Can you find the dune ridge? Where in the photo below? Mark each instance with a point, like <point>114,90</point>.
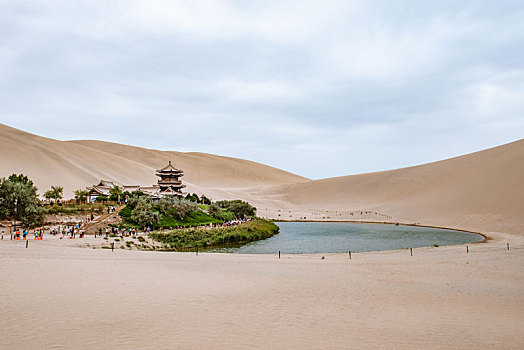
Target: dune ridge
<point>481,191</point>
<point>77,164</point>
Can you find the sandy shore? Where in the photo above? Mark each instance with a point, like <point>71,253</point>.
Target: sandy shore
<point>56,295</point>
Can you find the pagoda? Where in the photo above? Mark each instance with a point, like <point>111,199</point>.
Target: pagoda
<point>169,182</point>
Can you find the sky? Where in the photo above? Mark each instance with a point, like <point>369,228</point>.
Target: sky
<point>319,88</point>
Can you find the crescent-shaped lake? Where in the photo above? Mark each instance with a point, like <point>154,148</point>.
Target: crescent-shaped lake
<point>338,237</point>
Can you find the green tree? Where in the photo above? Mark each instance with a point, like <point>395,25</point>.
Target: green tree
<point>239,208</point>
<point>182,207</point>
<point>19,201</point>
<point>81,195</point>
<point>115,193</point>
<point>143,213</point>
<point>138,193</point>
<point>215,210</point>
<point>192,197</point>
<point>166,203</point>
<point>102,199</point>
<point>56,193</point>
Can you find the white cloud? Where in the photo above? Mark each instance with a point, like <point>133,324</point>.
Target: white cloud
<point>303,85</point>
<point>263,91</point>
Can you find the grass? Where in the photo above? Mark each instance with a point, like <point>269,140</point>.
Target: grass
<point>141,239</point>
<point>183,240</point>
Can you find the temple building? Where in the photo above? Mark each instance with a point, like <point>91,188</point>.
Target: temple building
<point>169,184</point>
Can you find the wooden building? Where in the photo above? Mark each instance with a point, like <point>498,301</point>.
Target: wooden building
<point>169,184</point>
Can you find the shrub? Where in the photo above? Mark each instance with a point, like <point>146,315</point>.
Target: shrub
<point>215,210</point>
<point>143,213</point>
<point>165,204</point>
<point>239,208</point>
<point>186,239</point>
<point>182,207</point>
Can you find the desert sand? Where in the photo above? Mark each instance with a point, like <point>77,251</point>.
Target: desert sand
<point>54,295</point>
<point>57,294</point>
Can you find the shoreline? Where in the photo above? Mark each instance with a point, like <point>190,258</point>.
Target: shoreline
<point>485,236</point>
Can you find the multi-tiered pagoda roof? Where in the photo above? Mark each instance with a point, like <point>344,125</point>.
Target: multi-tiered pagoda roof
<point>169,182</point>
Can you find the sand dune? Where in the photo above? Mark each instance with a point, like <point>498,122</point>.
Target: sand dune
<point>78,164</point>
<point>482,191</point>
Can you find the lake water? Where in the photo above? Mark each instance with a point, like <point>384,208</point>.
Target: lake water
<point>338,237</point>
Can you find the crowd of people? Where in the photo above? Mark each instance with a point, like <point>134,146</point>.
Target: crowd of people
<point>78,230</point>
<point>38,234</point>
<point>208,226</point>
<point>113,231</point>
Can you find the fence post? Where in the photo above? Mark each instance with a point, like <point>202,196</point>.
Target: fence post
<point>26,243</point>
<point>112,246</point>
<point>349,252</point>
<point>467,249</point>
<point>507,245</point>
<point>279,254</point>
<point>196,250</point>
<point>410,251</point>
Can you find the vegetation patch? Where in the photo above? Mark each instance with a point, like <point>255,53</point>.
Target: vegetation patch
<point>173,212</point>
<point>19,201</point>
<point>183,240</point>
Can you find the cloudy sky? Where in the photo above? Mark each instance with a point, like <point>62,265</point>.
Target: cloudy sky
<point>319,88</point>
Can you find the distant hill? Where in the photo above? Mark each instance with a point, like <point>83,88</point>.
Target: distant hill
<point>77,164</point>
